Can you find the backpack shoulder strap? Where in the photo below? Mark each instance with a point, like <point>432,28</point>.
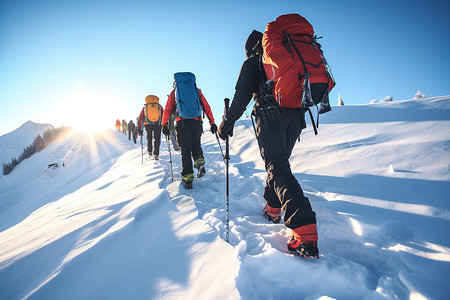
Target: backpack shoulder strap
<point>200,100</point>
<point>313,122</point>
<point>261,68</point>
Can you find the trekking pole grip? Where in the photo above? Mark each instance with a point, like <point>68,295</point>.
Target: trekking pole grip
<point>227,104</point>
<point>227,146</point>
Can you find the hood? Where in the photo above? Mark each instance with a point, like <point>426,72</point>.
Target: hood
<point>253,46</point>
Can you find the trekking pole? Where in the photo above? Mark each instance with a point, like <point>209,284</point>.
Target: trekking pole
<point>170,156</point>
<point>220,146</point>
<point>227,159</point>
<point>142,151</point>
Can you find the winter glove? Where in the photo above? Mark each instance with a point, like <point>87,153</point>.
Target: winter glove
<point>140,132</point>
<point>225,129</point>
<point>165,130</point>
<point>213,128</point>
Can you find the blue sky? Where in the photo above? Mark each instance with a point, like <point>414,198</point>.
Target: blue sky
<point>90,62</point>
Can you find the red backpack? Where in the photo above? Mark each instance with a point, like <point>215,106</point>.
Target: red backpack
<point>293,59</point>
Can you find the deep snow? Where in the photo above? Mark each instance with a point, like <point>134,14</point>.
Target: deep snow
<point>106,226</point>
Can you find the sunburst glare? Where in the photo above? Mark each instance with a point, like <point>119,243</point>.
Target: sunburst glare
<point>88,111</point>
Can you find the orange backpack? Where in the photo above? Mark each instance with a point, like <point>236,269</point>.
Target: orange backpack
<point>152,110</point>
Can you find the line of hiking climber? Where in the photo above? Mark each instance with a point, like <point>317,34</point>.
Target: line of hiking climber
<point>289,48</point>
<point>129,128</point>
<point>121,126</point>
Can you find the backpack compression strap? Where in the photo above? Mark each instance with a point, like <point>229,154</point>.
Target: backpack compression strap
<point>199,100</point>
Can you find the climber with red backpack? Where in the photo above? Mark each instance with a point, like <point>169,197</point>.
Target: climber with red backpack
<point>286,70</point>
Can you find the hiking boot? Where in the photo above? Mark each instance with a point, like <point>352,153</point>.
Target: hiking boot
<point>304,241</point>
<point>188,179</point>
<point>201,171</point>
<point>305,249</point>
<point>199,162</point>
<point>155,157</point>
<point>272,214</point>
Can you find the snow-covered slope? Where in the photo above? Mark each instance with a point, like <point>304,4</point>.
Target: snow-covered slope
<point>106,226</point>
<point>13,143</point>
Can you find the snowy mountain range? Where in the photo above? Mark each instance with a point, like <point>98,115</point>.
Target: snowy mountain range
<point>13,143</point>
<point>107,223</point>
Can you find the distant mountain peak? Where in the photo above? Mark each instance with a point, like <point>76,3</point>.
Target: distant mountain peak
<point>31,126</point>
<point>13,143</point>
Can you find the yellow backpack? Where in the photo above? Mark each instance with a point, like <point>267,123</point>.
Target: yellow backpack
<point>152,110</point>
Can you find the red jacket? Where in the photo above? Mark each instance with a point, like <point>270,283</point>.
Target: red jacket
<point>142,116</point>
<point>171,106</point>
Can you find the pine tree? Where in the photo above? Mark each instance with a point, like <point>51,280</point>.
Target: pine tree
<point>14,162</point>
<point>6,169</point>
<point>38,143</point>
<point>27,152</point>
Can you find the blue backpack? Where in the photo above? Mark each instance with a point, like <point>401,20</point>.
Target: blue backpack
<point>186,96</point>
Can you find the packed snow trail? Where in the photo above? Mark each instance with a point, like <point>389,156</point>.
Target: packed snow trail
<point>357,220</point>
<point>261,243</point>
<point>108,226</point>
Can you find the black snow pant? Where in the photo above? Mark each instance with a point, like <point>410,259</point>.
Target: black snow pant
<point>277,136</point>
<point>153,132</point>
<point>189,133</point>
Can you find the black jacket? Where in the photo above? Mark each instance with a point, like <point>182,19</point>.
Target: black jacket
<point>249,78</point>
<point>131,126</point>
<point>247,86</point>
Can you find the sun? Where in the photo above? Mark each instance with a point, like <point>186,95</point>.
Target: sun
<point>93,124</point>
<point>90,112</point>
